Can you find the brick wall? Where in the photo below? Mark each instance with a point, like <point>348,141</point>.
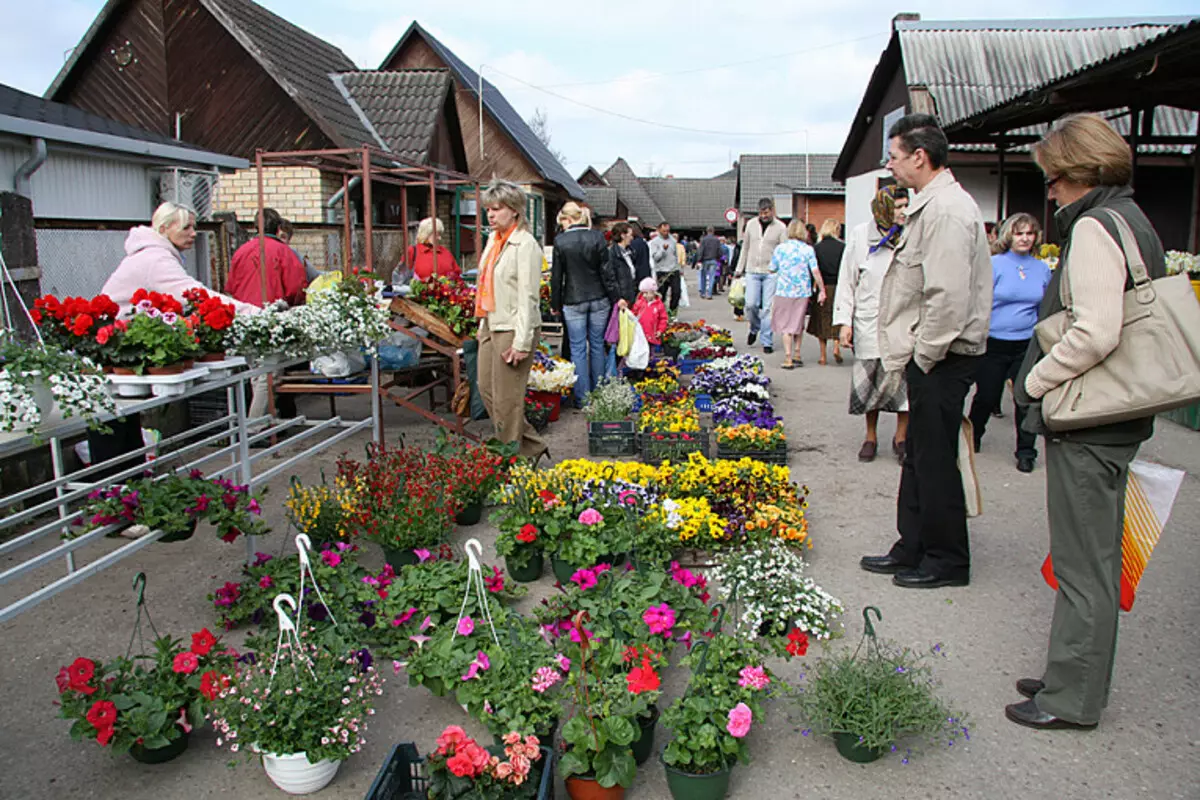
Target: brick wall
<point>816,208</point>
<point>298,193</point>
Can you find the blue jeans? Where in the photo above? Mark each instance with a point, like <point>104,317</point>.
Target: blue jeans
<point>586,324</point>
<point>760,293</point>
<point>708,272</point>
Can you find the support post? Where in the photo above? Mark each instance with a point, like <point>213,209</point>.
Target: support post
<point>404,221</point>
<point>1135,132</point>
<point>347,226</point>
<point>56,460</point>
<point>1194,232</point>
<point>262,263</point>
<point>368,231</point>
<point>1000,198</point>
<point>247,469</point>
<point>433,216</point>
<point>478,226</point>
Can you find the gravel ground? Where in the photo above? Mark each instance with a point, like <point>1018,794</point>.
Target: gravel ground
<point>1148,744</point>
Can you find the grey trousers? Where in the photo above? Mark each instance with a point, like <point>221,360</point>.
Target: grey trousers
<point>1085,503</point>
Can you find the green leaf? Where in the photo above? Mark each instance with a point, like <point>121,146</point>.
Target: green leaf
<point>615,767</point>
<point>156,741</point>
<point>571,764</point>
<point>620,731</point>
<point>577,731</point>
<point>123,702</point>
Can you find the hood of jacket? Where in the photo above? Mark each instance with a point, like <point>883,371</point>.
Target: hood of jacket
<point>144,238</point>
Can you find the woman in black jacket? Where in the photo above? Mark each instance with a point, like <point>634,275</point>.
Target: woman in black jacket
<point>583,290</point>
<point>621,264</point>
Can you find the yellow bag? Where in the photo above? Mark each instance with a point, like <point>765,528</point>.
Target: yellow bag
<point>324,281</point>
<point>627,323</point>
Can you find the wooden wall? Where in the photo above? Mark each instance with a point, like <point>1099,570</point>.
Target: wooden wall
<point>135,94</point>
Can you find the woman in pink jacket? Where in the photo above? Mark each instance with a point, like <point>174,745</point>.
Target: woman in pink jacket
<point>153,259</point>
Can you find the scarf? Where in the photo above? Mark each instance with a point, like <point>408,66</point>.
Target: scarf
<point>485,294</point>
<point>883,208</point>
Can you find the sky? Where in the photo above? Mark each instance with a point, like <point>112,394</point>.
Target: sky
<point>704,81</point>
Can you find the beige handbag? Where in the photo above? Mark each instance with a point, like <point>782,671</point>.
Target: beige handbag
<point>1156,366</point>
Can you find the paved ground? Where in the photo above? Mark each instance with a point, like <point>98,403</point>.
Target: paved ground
<point>1148,745</point>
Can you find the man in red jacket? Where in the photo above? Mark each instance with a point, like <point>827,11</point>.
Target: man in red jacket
<point>286,277</point>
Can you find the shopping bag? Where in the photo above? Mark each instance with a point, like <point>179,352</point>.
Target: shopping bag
<point>639,350</point>
<point>737,292</point>
<point>612,334</point>
<point>1149,496</point>
<point>684,302</point>
<point>966,467</point>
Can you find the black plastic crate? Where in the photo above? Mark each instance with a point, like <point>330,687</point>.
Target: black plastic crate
<point>612,439</point>
<point>403,776</point>
<point>779,455</point>
<point>658,447</point>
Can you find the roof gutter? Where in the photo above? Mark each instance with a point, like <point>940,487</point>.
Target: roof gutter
<point>331,203</point>
<point>21,178</point>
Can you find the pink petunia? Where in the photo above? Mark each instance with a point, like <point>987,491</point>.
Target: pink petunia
<point>740,717</point>
<point>466,626</point>
<point>660,619</point>
<point>563,662</point>
<point>405,617</point>
<point>584,578</point>
<point>330,558</point>
<point>423,555</point>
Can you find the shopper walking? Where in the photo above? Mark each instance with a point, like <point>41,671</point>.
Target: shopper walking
<point>761,237</point>
<point>1088,167</point>
<point>664,260</point>
<point>934,306</point>
<point>829,252</point>
<point>796,272</point>
<point>622,265</point>
<point>709,255</point>
<point>1019,282</point>
<point>583,289</point>
<point>866,259</point>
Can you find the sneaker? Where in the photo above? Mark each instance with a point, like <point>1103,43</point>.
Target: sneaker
<point>751,339</point>
<point>768,349</point>
<point>1025,464</point>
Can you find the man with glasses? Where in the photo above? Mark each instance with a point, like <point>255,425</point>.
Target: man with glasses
<point>934,310</point>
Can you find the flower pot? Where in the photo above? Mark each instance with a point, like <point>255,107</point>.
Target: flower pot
<point>169,369</point>
<point>181,536</point>
<point>643,746</point>
<point>694,786</point>
<point>612,559</point>
<point>471,514</point>
<point>850,749</point>
<point>159,755</point>
<point>539,419</point>
<point>553,399</point>
<point>188,363</point>
<point>124,371</point>
<point>546,737</point>
<point>562,569</point>
<point>209,357</point>
<point>587,789</point>
<point>532,569</point>
<point>399,558</point>
<point>295,774</point>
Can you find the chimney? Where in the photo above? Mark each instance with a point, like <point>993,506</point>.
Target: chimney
<point>906,16</point>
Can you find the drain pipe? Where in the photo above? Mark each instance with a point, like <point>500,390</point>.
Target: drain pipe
<point>332,203</point>
<point>21,183</point>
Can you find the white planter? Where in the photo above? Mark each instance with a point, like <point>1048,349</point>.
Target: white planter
<point>295,775</point>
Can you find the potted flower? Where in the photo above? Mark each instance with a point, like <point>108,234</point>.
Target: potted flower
<point>37,379</point>
<point>451,299</point>
<point>175,504</point>
<point>537,412</point>
<point>146,705</point>
<point>462,768</point>
<point>474,471</point>
<point>773,595</point>
<point>211,319</point>
<point>589,539</point>
<point>870,699</point>
<point>155,341</point>
<point>549,379</point>
<point>74,324</point>
<point>305,717</point>
<point>275,334</point>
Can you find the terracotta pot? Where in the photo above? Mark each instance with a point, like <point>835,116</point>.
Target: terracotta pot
<point>188,363</point>
<point>587,789</point>
<point>124,371</point>
<point>207,357</point>
<point>108,369</point>
<point>169,369</point>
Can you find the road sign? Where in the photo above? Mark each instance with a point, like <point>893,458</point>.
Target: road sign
<point>731,215</point>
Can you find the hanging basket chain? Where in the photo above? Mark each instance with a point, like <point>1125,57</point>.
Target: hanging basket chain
<point>139,590</point>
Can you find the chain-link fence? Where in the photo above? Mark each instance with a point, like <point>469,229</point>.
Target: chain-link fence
<point>77,261</point>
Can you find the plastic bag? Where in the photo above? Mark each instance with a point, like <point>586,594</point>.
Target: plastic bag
<point>326,281</point>
<point>612,334</point>
<point>737,292</point>
<point>639,350</point>
<point>1149,497</point>
<point>339,365</point>
<point>626,324</point>
<point>398,351</point>
<point>966,468</point>
<point>684,302</point>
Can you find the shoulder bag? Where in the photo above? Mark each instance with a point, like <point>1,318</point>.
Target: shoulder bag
<point>1156,366</point>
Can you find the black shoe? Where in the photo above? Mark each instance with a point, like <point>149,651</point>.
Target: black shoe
<point>997,413</point>
<point>884,565</point>
<point>1025,464</point>
<point>1030,686</point>
<point>917,579</point>
<point>978,444</point>
<point>751,339</point>
<point>1027,713</point>
<point>768,350</point>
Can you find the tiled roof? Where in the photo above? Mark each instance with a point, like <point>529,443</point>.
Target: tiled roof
<point>794,173</point>
<point>640,204</point>
<point>602,200</point>
<point>692,202</point>
<point>403,106</point>
<point>518,129</point>
<point>729,174</point>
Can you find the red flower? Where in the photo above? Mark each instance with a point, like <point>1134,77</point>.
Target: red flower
<point>36,315</point>
<point>63,680</point>
<point>102,714</point>
<point>104,736</point>
<point>80,674</point>
<point>528,534</point>
<point>186,663</point>
<point>83,324</point>
<point>211,684</point>
<point>203,641</point>
<point>797,642</point>
<point>642,678</point>
<point>104,334</point>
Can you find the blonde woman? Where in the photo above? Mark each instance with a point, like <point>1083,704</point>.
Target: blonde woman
<point>1088,167</point>
<point>421,255</point>
<point>506,300</point>
<point>794,266</point>
<point>829,250</point>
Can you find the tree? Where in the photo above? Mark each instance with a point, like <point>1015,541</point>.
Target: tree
<point>539,123</point>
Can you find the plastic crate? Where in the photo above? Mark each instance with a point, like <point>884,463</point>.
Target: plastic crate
<point>688,366</point>
<point>402,776</point>
<point>777,456</point>
<point>1188,416</point>
<point>612,439</point>
<point>704,403</point>
<point>658,447</point>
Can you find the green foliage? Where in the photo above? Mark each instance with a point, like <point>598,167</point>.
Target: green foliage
<point>611,401</point>
<point>150,341</point>
<point>175,502</point>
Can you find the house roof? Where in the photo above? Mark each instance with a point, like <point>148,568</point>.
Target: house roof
<point>590,177</point>
<point>549,167</point>
<point>971,65</point>
<point>639,202</point>
<point>298,61</point>
<point>25,114</point>
<point>402,107</point>
<point>730,173</point>
<point>692,202</point>
<point>767,175</point>
<point>602,200</point>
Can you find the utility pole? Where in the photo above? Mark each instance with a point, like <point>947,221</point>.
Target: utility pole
<point>481,66</point>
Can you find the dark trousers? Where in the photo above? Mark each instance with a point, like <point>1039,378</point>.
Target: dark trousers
<point>1000,364</point>
<point>931,513</point>
<point>668,284</point>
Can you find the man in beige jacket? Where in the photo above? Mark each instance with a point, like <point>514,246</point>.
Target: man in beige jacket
<point>762,236</point>
<point>934,310</point>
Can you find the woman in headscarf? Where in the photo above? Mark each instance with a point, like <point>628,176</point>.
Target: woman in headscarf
<point>866,259</point>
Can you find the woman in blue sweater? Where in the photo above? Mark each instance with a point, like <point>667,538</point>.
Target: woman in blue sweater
<point>1018,282</point>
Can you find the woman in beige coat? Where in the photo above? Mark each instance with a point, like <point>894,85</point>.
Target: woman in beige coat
<point>507,301</point>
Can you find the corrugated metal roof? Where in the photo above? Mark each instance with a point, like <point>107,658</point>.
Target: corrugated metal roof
<point>768,175</point>
<point>971,66</point>
<point>634,195</point>
<point>692,202</point>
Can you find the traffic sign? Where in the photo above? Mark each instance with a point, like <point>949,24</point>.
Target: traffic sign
<point>731,215</point>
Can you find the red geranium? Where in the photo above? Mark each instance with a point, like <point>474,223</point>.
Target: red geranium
<point>797,642</point>
<point>80,674</point>
<point>642,678</point>
<point>203,641</point>
<point>186,662</point>
<point>528,534</point>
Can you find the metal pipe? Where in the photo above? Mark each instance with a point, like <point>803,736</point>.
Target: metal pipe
<point>21,178</point>
<point>433,217</point>
<point>330,442</point>
<point>368,216</point>
<point>66,548</point>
